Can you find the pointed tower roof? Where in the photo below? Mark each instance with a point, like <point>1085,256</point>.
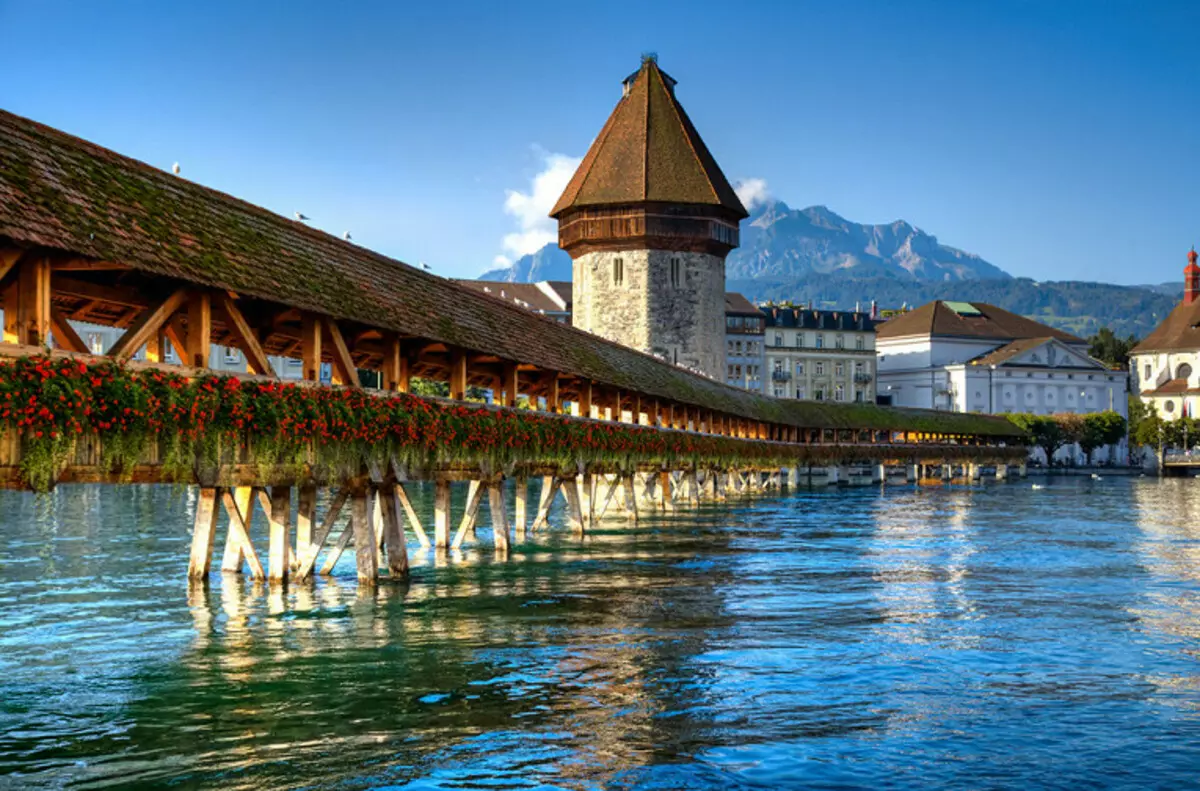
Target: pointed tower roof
<point>648,151</point>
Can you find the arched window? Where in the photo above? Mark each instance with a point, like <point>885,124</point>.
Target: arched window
<point>1184,371</point>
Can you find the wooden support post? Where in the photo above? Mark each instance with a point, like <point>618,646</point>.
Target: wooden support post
<point>306,516</point>
<point>199,329</point>
<point>570,488</point>
<point>458,374</point>
<point>608,496</point>
<point>239,505</point>
<point>395,366</point>
<point>584,488</point>
<point>475,493</point>
<point>393,533</point>
<point>204,530</point>
<point>441,514</point>
<point>335,554</point>
<point>627,488</point>
<point>344,371</point>
<point>310,346</point>
<point>550,487</point>
<point>65,335</point>
<point>244,335</point>
<point>510,385</point>
<point>33,307</point>
<point>522,503</point>
<point>411,513</point>
<point>366,560</point>
<point>278,540</point>
<point>500,536</point>
<point>585,398</point>
<point>308,558</point>
<point>147,324</point>
<point>553,398</point>
<point>664,491</point>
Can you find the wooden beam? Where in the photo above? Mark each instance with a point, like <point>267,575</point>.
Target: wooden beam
<point>309,558</point>
<point>239,518</point>
<point>366,560</point>
<point>278,540</point>
<point>458,374</point>
<point>33,301</point>
<point>585,398</point>
<point>203,533</point>
<point>199,329</point>
<point>394,539</point>
<point>65,334</point>
<point>553,397</point>
<point>510,384</point>
<point>9,259</point>
<point>147,324</point>
<point>411,513</point>
<point>310,346</point>
<point>112,295</point>
<point>247,339</point>
<point>85,265</point>
<point>344,370</point>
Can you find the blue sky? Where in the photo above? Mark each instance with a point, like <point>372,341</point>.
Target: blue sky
<point>1056,139</point>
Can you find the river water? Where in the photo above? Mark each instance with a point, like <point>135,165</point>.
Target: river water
<point>986,636</point>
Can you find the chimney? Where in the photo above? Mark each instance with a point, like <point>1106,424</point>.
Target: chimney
<point>874,310</point>
<point>1191,279</point>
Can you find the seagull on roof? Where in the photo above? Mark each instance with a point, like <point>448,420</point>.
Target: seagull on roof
<point>175,168</point>
<point>346,235</point>
<point>300,216</point>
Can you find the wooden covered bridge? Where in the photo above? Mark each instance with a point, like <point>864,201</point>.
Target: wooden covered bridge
<point>87,235</point>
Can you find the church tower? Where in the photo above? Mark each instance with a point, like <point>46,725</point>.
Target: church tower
<point>648,219</point>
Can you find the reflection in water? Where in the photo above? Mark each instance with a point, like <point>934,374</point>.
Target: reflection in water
<point>988,635</point>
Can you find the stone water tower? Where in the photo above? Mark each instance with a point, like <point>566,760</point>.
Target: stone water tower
<point>648,219</point>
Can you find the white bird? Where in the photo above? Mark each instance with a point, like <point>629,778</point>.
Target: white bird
<point>1096,477</point>
<point>346,236</point>
<point>300,216</point>
<point>175,168</point>
<point>1038,486</point>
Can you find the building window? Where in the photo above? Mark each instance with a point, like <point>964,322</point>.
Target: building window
<point>618,271</point>
<point>840,341</point>
<point>676,273</point>
<point>1169,407</point>
<point>820,342</point>
<point>819,394</point>
<point>860,343</point>
<point>729,374</point>
<point>858,395</point>
<point>1147,376</point>
<point>799,339</point>
<point>779,392</point>
<point>819,368</point>
<point>738,347</point>
<point>232,356</point>
<point>800,392</point>
<point>800,368</point>
<point>779,339</point>
<point>95,342</point>
<point>858,368</point>
<point>729,347</point>
<point>839,393</point>
<point>839,369</point>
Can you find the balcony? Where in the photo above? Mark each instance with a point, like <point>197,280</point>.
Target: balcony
<point>863,379</point>
<point>781,376</point>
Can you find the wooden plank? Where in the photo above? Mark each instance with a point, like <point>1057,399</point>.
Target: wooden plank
<point>630,493</point>
<point>233,558</point>
<point>64,333</point>
<point>500,534</point>
<point>239,529</point>
<point>204,532</point>
<point>245,336</point>
<point>411,513</point>
<point>199,329</point>
<point>570,489</point>
<point>278,540</point>
<point>612,488</point>
<point>306,517</point>
<point>474,498</point>
<point>395,365</point>
<point>308,559</point>
<point>150,322</point>
<point>521,494</point>
<point>366,560</point>
<point>310,346</point>
<point>458,374</point>
<point>335,554</point>
<point>344,371</point>
<point>393,532</point>
<point>550,487</point>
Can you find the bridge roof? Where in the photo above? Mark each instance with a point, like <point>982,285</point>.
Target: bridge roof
<point>63,193</point>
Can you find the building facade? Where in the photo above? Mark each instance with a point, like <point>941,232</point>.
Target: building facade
<point>820,355</point>
<point>744,337</point>
<point>1165,367</point>
<point>648,219</point>
<point>974,357</point>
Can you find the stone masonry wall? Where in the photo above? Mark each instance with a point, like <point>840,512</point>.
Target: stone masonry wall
<point>646,311</point>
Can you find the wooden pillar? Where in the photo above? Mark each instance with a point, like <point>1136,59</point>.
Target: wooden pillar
<point>277,537</point>
<point>553,398</point>
<point>510,385</point>
<point>243,501</point>
<point>522,500</point>
<point>310,346</point>
<point>394,540</point>
<point>441,514</point>
<point>204,531</point>
<point>664,491</point>
<point>366,560</point>
<point>458,374</point>
<point>306,516</point>
<point>630,494</point>
<point>570,488</point>
<point>33,301</point>
<point>500,536</point>
<point>395,366</point>
<point>199,328</point>
<point>586,498</point>
<point>585,398</point>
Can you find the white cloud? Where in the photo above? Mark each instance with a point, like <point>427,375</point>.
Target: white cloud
<point>752,192</point>
<point>501,260</point>
<point>531,209</point>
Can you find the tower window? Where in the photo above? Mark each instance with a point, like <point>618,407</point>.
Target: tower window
<point>676,273</point>
<point>618,271</point>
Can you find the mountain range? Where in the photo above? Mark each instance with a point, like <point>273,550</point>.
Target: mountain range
<point>817,257</point>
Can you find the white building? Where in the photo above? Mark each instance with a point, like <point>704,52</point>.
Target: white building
<point>1166,365</point>
<point>974,357</point>
<point>820,355</point>
<point>743,343</point>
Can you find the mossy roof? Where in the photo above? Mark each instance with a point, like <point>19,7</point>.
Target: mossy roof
<point>58,191</point>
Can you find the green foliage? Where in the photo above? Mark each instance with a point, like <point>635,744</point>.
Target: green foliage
<point>1052,432</point>
<point>1106,347</point>
<point>428,387</point>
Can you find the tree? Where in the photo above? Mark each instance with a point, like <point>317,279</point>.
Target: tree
<point>1101,429</point>
<point>1071,429</point>
<point>1044,432</point>
<point>1106,347</point>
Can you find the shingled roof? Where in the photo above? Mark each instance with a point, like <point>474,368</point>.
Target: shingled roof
<point>648,151</point>
<point>1179,331</point>
<point>940,319</point>
<point>64,193</point>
